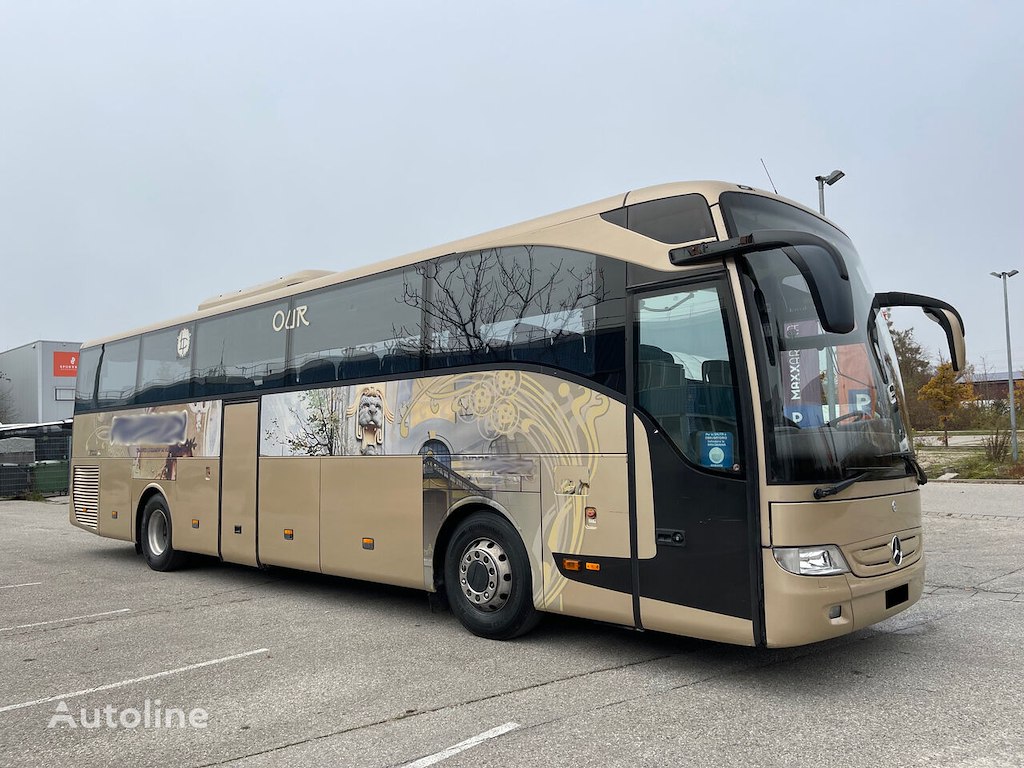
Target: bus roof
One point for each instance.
(538, 231)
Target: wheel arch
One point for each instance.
(148, 493)
(455, 515)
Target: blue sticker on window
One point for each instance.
(716, 449)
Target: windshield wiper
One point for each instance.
(913, 466)
(832, 490)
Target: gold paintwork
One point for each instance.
(238, 477)
(376, 497)
(588, 602)
(645, 539)
(843, 522)
(796, 607)
(115, 493)
(290, 498)
(683, 620)
(197, 497)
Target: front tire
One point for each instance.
(156, 537)
(488, 580)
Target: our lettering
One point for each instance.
(286, 321)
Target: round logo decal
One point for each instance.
(184, 342)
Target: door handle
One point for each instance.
(670, 537)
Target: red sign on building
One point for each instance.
(65, 363)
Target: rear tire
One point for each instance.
(155, 537)
(488, 580)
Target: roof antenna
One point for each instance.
(769, 177)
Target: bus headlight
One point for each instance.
(825, 560)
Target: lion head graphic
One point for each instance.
(371, 411)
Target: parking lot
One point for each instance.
(299, 669)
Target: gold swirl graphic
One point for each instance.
(555, 422)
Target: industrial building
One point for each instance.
(37, 382)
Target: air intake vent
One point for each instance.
(85, 492)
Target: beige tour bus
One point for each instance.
(677, 409)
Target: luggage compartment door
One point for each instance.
(238, 469)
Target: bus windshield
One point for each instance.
(834, 401)
(834, 404)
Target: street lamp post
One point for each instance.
(1009, 361)
(830, 374)
(831, 179)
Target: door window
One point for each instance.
(685, 378)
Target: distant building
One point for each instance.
(39, 381)
(992, 386)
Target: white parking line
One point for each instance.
(122, 683)
(63, 621)
(29, 584)
(462, 746)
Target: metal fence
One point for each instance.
(34, 460)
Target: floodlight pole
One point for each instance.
(831, 179)
(1009, 363)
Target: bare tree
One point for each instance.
(318, 414)
(468, 297)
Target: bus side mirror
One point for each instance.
(820, 263)
(938, 311)
(829, 284)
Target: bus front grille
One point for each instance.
(874, 557)
(85, 492)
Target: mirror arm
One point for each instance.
(902, 299)
(935, 309)
(759, 240)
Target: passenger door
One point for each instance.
(684, 349)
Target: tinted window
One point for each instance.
(241, 350)
(522, 303)
(118, 369)
(85, 386)
(746, 213)
(166, 365)
(668, 220)
(684, 374)
(359, 329)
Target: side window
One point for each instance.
(355, 330)
(85, 386)
(679, 219)
(241, 350)
(118, 371)
(522, 303)
(685, 374)
(166, 365)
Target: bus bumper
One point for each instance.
(803, 609)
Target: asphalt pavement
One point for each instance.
(300, 669)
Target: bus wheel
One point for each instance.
(156, 537)
(487, 578)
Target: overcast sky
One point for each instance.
(153, 154)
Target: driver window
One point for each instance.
(685, 377)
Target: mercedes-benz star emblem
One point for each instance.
(897, 550)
